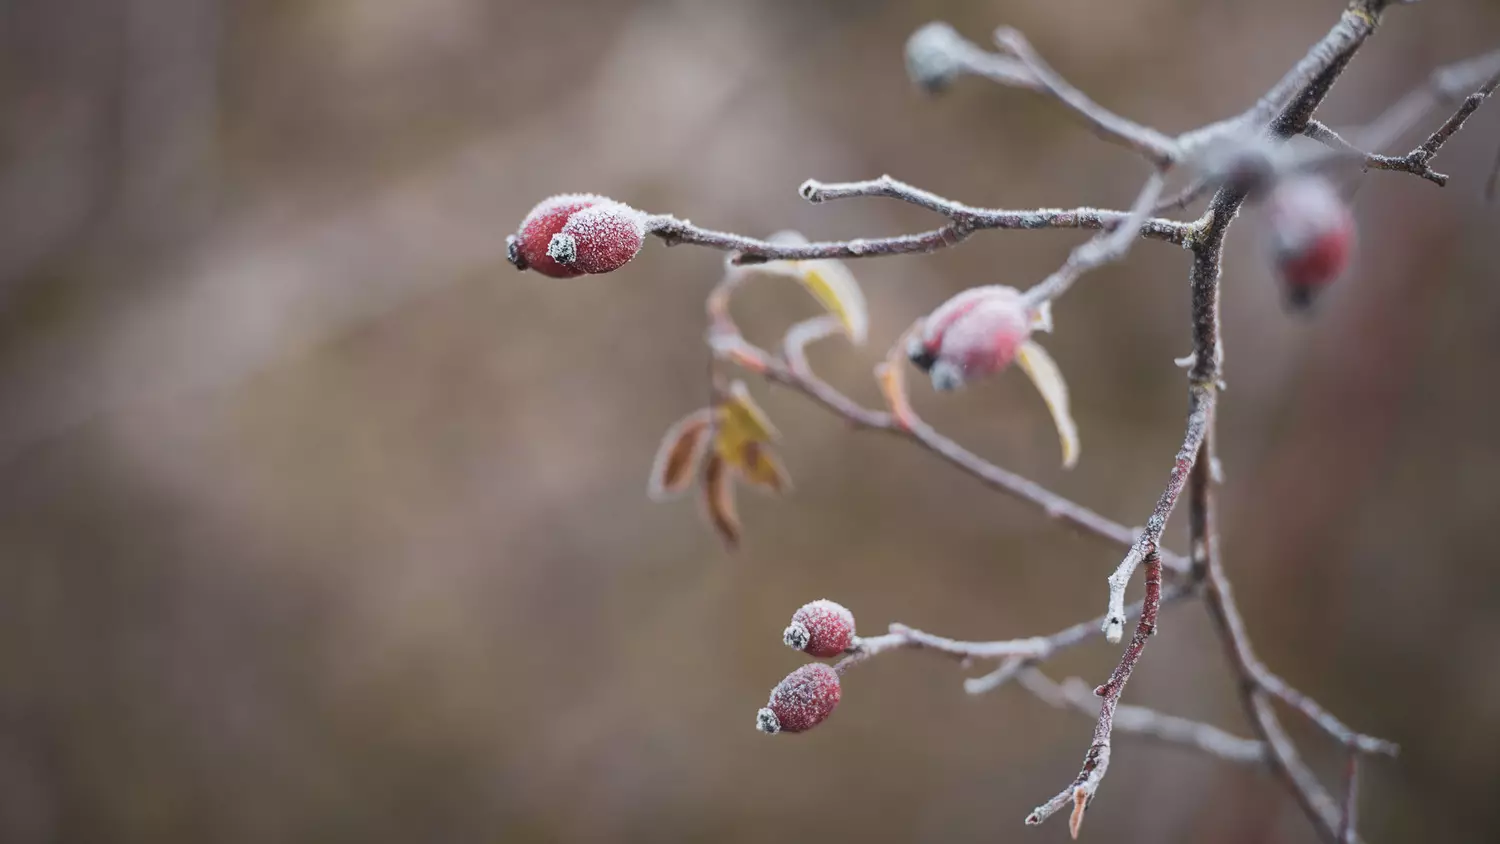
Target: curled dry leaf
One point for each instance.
(681, 449)
(762, 469)
(1080, 805)
(718, 500)
(1044, 373)
(829, 281)
(733, 439)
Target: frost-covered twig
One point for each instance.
(1074, 694)
(1157, 148)
(1468, 83)
(964, 220)
(1096, 761)
(901, 636)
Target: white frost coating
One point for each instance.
(766, 722)
(796, 636)
(605, 219)
(947, 375)
(563, 249)
(1114, 618)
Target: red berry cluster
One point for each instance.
(808, 695)
(577, 233)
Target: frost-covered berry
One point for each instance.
(802, 701)
(976, 333)
(821, 628)
(933, 56)
(1311, 236)
(600, 238)
(528, 246)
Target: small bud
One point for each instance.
(933, 56)
(1311, 236)
(821, 628)
(976, 333)
(600, 238)
(528, 248)
(800, 702)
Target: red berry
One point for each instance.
(821, 628)
(801, 701)
(600, 238)
(974, 334)
(528, 247)
(1311, 236)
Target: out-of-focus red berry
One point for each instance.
(528, 246)
(974, 334)
(821, 628)
(802, 701)
(1312, 236)
(600, 238)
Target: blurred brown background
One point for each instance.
(321, 523)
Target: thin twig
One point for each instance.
(1159, 149)
(1074, 694)
(1351, 799)
(1065, 638)
(1096, 760)
(964, 220)
(1101, 249)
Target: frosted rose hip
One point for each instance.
(600, 238)
(1311, 236)
(976, 333)
(528, 246)
(821, 628)
(802, 701)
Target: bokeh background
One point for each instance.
(321, 523)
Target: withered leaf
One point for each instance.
(680, 450)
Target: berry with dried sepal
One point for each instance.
(976, 333)
(599, 239)
(802, 701)
(821, 628)
(527, 248)
(1311, 236)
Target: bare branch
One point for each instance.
(1065, 638)
(1147, 545)
(1157, 148)
(1074, 694)
(964, 220)
(1102, 249)
(901, 636)
(1096, 760)
(1477, 78)
(1351, 799)
(1417, 160)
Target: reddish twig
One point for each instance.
(1096, 761)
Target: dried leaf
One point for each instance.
(718, 499)
(741, 420)
(831, 283)
(1043, 371)
(1080, 805)
(760, 467)
(893, 387)
(680, 450)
